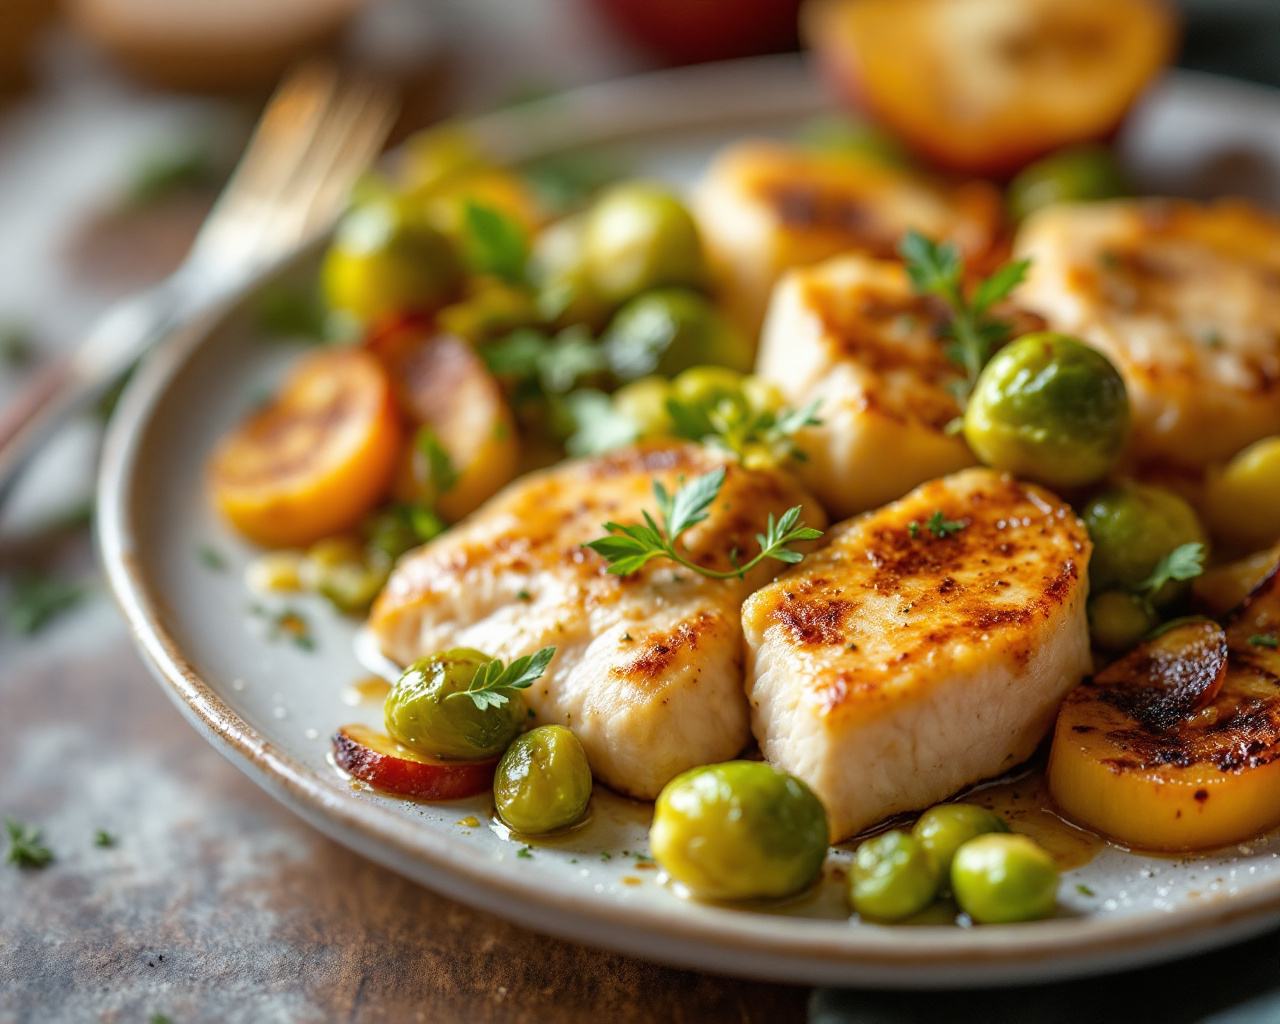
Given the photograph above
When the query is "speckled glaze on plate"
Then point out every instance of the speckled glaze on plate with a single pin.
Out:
(271, 706)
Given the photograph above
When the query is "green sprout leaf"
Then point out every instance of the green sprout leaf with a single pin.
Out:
(628, 548)
(937, 268)
(37, 600)
(1184, 562)
(493, 677)
(1263, 640)
(494, 242)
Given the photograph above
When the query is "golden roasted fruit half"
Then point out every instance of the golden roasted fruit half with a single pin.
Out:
(1177, 745)
(851, 335)
(463, 446)
(984, 86)
(316, 459)
(1182, 297)
(764, 207)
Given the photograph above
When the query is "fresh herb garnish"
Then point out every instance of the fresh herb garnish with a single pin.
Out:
(211, 558)
(938, 524)
(101, 837)
(1184, 562)
(1083, 889)
(549, 364)
(606, 855)
(432, 464)
(25, 848)
(526, 852)
(1263, 640)
(738, 427)
(494, 242)
(493, 677)
(523, 595)
(599, 426)
(629, 548)
(937, 268)
(288, 623)
(37, 600)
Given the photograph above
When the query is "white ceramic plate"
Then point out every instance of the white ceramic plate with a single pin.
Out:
(271, 707)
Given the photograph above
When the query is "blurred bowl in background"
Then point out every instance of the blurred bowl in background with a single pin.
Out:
(210, 45)
(692, 31)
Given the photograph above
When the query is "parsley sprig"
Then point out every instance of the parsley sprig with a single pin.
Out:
(938, 524)
(937, 268)
(1265, 640)
(740, 427)
(1184, 562)
(493, 677)
(628, 549)
(25, 848)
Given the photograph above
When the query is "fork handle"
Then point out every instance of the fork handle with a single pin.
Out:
(71, 382)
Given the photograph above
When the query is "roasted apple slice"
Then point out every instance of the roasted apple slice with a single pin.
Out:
(984, 86)
(465, 446)
(380, 761)
(317, 459)
(1177, 745)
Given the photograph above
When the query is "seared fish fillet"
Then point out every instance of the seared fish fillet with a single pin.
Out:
(764, 207)
(895, 666)
(648, 667)
(852, 335)
(1185, 299)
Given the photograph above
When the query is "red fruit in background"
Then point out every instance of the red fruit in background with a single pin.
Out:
(692, 31)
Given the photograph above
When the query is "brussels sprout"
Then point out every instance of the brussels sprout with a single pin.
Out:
(999, 879)
(669, 330)
(639, 236)
(893, 877)
(1242, 502)
(739, 830)
(543, 781)
(1051, 409)
(644, 403)
(944, 829)
(558, 269)
(1133, 527)
(1118, 620)
(425, 710)
(1078, 174)
(491, 309)
(386, 258)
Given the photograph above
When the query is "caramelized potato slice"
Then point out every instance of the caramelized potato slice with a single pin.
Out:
(317, 459)
(984, 86)
(1177, 745)
(444, 387)
(1221, 589)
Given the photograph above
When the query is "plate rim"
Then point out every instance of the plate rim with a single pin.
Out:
(717, 939)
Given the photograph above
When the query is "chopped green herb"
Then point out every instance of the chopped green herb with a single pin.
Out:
(25, 848)
(573, 860)
(1263, 640)
(160, 1018)
(16, 349)
(599, 427)
(175, 168)
(913, 528)
(493, 677)
(1184, 562)
(1109, 260)
(551, 365)
(739, 428)
(292, 313)
(101, 837)
(606, 855)
(1212, 338)
(523, 595)
(627, 549)
(289, 624)
(36, 600)
(940, 526)
(494, 242)
(938, 269)
(211, 558)
(433, 465)
(626, 637)
(1083, 889)
(526, 852)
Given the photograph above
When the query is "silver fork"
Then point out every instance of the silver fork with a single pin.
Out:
(317, 134)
